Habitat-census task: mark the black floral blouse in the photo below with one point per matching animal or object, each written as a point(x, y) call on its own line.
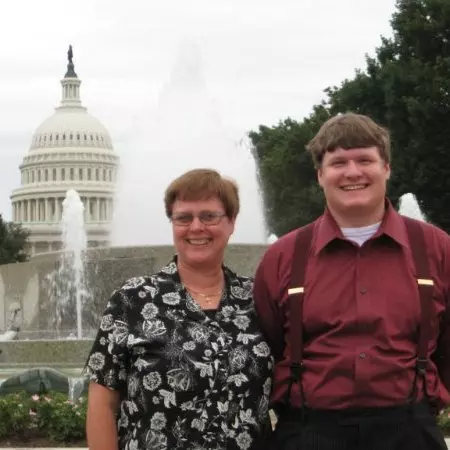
point(188, 379)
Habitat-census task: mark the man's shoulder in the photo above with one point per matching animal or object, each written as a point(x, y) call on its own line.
point(430, 230)
point(437, 240)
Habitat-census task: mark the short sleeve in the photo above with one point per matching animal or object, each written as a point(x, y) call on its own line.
point(107, 361)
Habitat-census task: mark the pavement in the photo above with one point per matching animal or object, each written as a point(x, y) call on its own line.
point(74, 448)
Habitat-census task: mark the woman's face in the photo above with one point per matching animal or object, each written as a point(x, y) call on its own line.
point(201, 231)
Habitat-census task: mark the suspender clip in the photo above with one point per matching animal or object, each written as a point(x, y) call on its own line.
point(296, 371)
point(421, 365)
point(425, 282)
point(296, 290)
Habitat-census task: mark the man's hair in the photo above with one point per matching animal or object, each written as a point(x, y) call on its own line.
point(349, 131)
point(203, 184)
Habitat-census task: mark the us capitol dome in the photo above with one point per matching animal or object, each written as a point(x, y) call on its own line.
point(69, 150)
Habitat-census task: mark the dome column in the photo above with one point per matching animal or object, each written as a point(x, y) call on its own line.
point(97, 209)
point(88, 209)
point(46, 211)
point(57, 210)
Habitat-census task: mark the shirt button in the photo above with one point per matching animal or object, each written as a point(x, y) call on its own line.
point(362, 355)
point(363, 290)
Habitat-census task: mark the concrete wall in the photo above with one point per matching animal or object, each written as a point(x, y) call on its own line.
point(27, 354)
point(28, 283)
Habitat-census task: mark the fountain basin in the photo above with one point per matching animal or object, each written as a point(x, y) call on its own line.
point(45, 358)
point(106, 269)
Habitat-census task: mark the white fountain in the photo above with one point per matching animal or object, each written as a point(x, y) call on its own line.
point(185, 132)
point(69, 290)
point(409, 207)
point(67, 295)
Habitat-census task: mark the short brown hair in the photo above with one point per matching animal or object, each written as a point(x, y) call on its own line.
point(349, 131)
point(203, 184)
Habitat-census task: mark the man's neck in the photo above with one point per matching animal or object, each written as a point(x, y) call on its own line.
point(359, 218)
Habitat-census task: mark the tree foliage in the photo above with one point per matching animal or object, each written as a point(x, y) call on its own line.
point(405, 87)
point(12, 242)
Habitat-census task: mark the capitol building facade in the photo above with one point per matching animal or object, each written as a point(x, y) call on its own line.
point(69, 150)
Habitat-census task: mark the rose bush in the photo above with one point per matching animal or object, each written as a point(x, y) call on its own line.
point(52, 416)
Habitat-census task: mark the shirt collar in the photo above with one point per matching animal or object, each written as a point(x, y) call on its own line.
point(392, 225)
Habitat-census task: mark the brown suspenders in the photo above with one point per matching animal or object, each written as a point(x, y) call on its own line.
point(296, 296)
point(425, 285)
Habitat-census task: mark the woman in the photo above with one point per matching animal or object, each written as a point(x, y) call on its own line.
point(179, 358)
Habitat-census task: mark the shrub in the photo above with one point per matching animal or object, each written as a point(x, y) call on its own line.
point(50, 416)
point(55, 417)
point(15, 414)
point(444, 421)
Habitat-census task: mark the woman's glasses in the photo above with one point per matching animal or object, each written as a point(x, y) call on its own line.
point(206, 218)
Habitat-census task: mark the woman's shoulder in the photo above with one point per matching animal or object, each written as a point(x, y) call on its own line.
point(235, 278)
point(137, 283)
point(240, 286)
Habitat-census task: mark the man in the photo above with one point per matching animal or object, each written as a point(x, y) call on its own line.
point(354, 307)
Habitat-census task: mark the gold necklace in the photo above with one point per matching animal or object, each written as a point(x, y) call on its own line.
point(208, 297)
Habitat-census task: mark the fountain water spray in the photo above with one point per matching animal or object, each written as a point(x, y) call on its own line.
point(68, 284)
point(409, 207)
point(185, 132)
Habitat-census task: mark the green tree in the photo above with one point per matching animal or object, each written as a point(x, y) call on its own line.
point(405, 87)
point(418, 67)
point(12, 242)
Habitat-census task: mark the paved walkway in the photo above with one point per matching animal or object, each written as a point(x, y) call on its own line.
point(74, 448)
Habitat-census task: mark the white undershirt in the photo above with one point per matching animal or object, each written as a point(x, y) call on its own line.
point(360, 234)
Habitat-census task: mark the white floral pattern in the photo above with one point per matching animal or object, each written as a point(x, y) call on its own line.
point(188, 379)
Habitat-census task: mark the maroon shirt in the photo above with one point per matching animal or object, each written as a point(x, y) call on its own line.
point(361, 316)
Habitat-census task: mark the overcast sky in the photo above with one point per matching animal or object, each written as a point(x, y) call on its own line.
point(262, 61)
